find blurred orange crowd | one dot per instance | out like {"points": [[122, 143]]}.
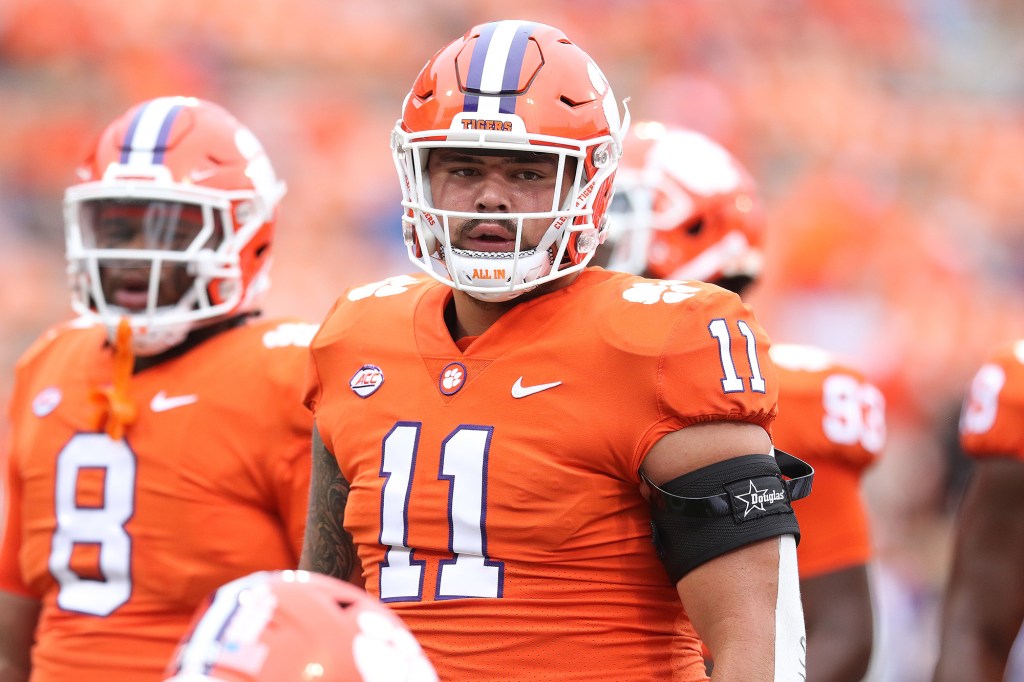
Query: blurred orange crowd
{"points": [[886, 136]]}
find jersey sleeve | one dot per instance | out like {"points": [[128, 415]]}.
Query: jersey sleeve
{"points": [[287, 474], [313, 393], [831, 417], [715, 367], [992, 418], [827, 411], [10, 543], [291, 470], [10, 504]]}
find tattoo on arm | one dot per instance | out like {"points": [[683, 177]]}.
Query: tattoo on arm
{"points": [[327, 547]]}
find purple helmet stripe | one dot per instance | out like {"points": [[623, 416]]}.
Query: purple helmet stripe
{"points": [[514, 66], [165, 131], [476, 66], [496, 66], [126, 146]]}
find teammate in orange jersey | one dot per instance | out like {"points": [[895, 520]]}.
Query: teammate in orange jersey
{"points": [[983, 610], [159, 445], [279, 626], [687, 209], [485, 435]]}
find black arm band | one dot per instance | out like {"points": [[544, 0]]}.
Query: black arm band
{"points": [[708, 512]]}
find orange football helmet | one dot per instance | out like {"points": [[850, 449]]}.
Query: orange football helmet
{"points": [[510, 86], [684, 208], [274, 626], [175, 184]]}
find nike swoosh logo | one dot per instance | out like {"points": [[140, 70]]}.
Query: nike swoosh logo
{"points": [[162, 402], [200, 175], [520, 391]]}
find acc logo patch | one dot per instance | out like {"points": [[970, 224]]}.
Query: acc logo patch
{"points": [[46, 401], [366, 380], [453, 377]]}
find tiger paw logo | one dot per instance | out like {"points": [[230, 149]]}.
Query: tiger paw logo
{"points": [[666, 291], [392, 286], [290, 334], [453, 377]]}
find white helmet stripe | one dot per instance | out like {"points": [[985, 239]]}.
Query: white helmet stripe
{"points": [[496, 65], [498, 54], [144, 144]]}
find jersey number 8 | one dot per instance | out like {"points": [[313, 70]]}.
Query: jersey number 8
{"points": [[99, 525]]}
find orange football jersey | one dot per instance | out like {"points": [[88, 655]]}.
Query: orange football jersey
{"points": [[992, 419], [495, 498], [121, 540], [833, 419]]}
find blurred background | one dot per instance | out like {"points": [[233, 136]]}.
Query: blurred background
{"points": [[887, 137]]}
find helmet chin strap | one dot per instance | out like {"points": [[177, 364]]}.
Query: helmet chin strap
{"points": [[498, 296], [157, 340], [116, 408], [159, 334], [530, 264]]}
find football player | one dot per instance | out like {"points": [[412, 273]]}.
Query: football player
{"points": [[493, 439], [159, 445], [983, 608], [686, 209], [279, 626]]}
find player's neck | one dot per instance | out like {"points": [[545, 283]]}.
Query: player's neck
{"points": [[467, 316], [194, 338]]}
